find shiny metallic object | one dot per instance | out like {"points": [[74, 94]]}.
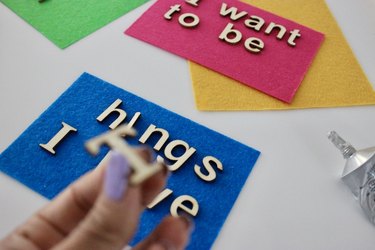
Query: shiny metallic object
{"points": [[359, 173]]}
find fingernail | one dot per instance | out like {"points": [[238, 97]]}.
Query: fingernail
{"points": [[116, 176]]}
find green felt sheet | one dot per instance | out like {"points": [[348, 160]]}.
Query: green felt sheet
{"points": [[67, 21]]}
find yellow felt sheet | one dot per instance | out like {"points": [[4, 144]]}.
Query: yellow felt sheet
{"points": [[334, 79]]}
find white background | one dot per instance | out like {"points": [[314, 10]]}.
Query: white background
{"points": [[293, 199]]}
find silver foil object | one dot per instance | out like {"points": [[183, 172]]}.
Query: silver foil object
{"points": [[358, 173]]}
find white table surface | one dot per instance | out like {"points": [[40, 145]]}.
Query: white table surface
{"points": [[293, 199]]}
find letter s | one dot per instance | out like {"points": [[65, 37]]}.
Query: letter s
{"points": [[207, 164]]}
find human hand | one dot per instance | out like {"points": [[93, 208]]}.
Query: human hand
{"points": [[100, 211]]}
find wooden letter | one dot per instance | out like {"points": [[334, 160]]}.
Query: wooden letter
{"points": [[192, 2], [166, 192], [178, 203], [293, 35], [273, 26], [109, 110], [58, 137], [254, 45], [209, 168], [228, 33], [174, 9], [180, 160], [224, 11], [141, 169], [134, 119], [122, 115], [255, 23], [192, 24], [150, 130]]}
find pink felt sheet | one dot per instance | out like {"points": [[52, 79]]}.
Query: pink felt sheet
{"points": [[277, 70]]}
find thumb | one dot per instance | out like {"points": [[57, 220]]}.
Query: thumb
{"points": [[113, 219]]}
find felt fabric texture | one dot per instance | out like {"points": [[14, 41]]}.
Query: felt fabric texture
{"points": [[277, 70], [335, 78], [79, 107], [65, 21]]}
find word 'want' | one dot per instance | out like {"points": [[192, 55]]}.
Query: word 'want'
{"points": [[230, 34], [207, 171]]}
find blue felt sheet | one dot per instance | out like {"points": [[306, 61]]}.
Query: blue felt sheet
{"points": [[79, 106]]}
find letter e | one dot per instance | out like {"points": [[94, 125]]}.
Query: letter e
{"points": [[178, 204], [254, 45]]}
